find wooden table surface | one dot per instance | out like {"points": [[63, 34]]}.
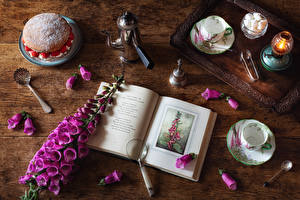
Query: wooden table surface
{"points": [[158, 20]]}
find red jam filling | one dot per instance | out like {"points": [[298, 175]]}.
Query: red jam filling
{"points": [[54, 53]]}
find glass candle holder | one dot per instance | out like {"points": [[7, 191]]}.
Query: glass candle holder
{"points": [[277, 56], [282, 43]]}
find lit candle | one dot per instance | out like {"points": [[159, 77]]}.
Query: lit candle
{"points": [[282, 43], [280, 46]]}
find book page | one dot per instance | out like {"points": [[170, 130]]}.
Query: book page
{"points": [[178, 128], [123, 127]]}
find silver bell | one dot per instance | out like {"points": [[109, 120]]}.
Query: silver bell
{"points": [[178, 77]]}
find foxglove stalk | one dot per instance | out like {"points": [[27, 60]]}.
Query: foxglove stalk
{"points": [[54, 163], [86, 75]]}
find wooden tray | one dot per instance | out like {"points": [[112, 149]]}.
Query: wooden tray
{"points": [[279, 90]]}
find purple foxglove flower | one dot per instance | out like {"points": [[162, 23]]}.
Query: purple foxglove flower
{"points": [[81, 115], [104, 92], [52, 169], [31, 168], [73, 130], [83, 137], [112, 178], [89, 105], [66, 168], [211, 94], [91, 127], [233, 103], [64, 138], [184, 160], [82, 151], [54, 188], [70, 82], [87, 111], [97, 118], [29, 129], [14, 121], [86, 75], [53, 135], [40, 152], [110, 100], [70, 154], [55, 179], [55, 155], [51, 143], [101, 101], [23, 179], [102, 108], [92, 101], [66, 179], [228, 180], [76, 121], [42, 180], [39, 164]]}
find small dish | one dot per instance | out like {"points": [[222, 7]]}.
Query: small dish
{"points": [[218, 47], [241, 153], [72, 52], [257, 22]]}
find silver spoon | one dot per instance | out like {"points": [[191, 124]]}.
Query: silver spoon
{"points": [[144, 172], [210, 45], [22, 76], [285, 166]]}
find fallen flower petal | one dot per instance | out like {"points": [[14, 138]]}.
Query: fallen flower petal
{"points": [[228, 180], [14, 121], [112, 178], [70, 82], [233, 103], [29, 129], [211, 94], [184, 160], [86, 75]]}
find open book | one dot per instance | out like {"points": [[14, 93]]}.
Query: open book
{"points": [[168, 127]]}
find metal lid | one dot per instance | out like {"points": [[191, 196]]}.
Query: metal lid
{"points": [[127, 21]]}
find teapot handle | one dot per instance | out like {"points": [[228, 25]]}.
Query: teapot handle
{"points": [[142, 54]]}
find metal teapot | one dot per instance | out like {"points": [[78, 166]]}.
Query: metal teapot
{"points": [[129, 41]]}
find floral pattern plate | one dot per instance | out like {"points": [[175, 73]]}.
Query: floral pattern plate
{"points": [[217, 48], [72, 52], [241, 153]]}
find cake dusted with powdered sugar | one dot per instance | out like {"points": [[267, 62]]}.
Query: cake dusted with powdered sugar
{"points": [[47, 36]]}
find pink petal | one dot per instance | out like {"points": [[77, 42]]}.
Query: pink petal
{"points": [[86, 75], [14, 121], [54, 188]]}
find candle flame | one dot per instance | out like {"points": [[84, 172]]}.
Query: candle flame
{"points": [[281, 44]]}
